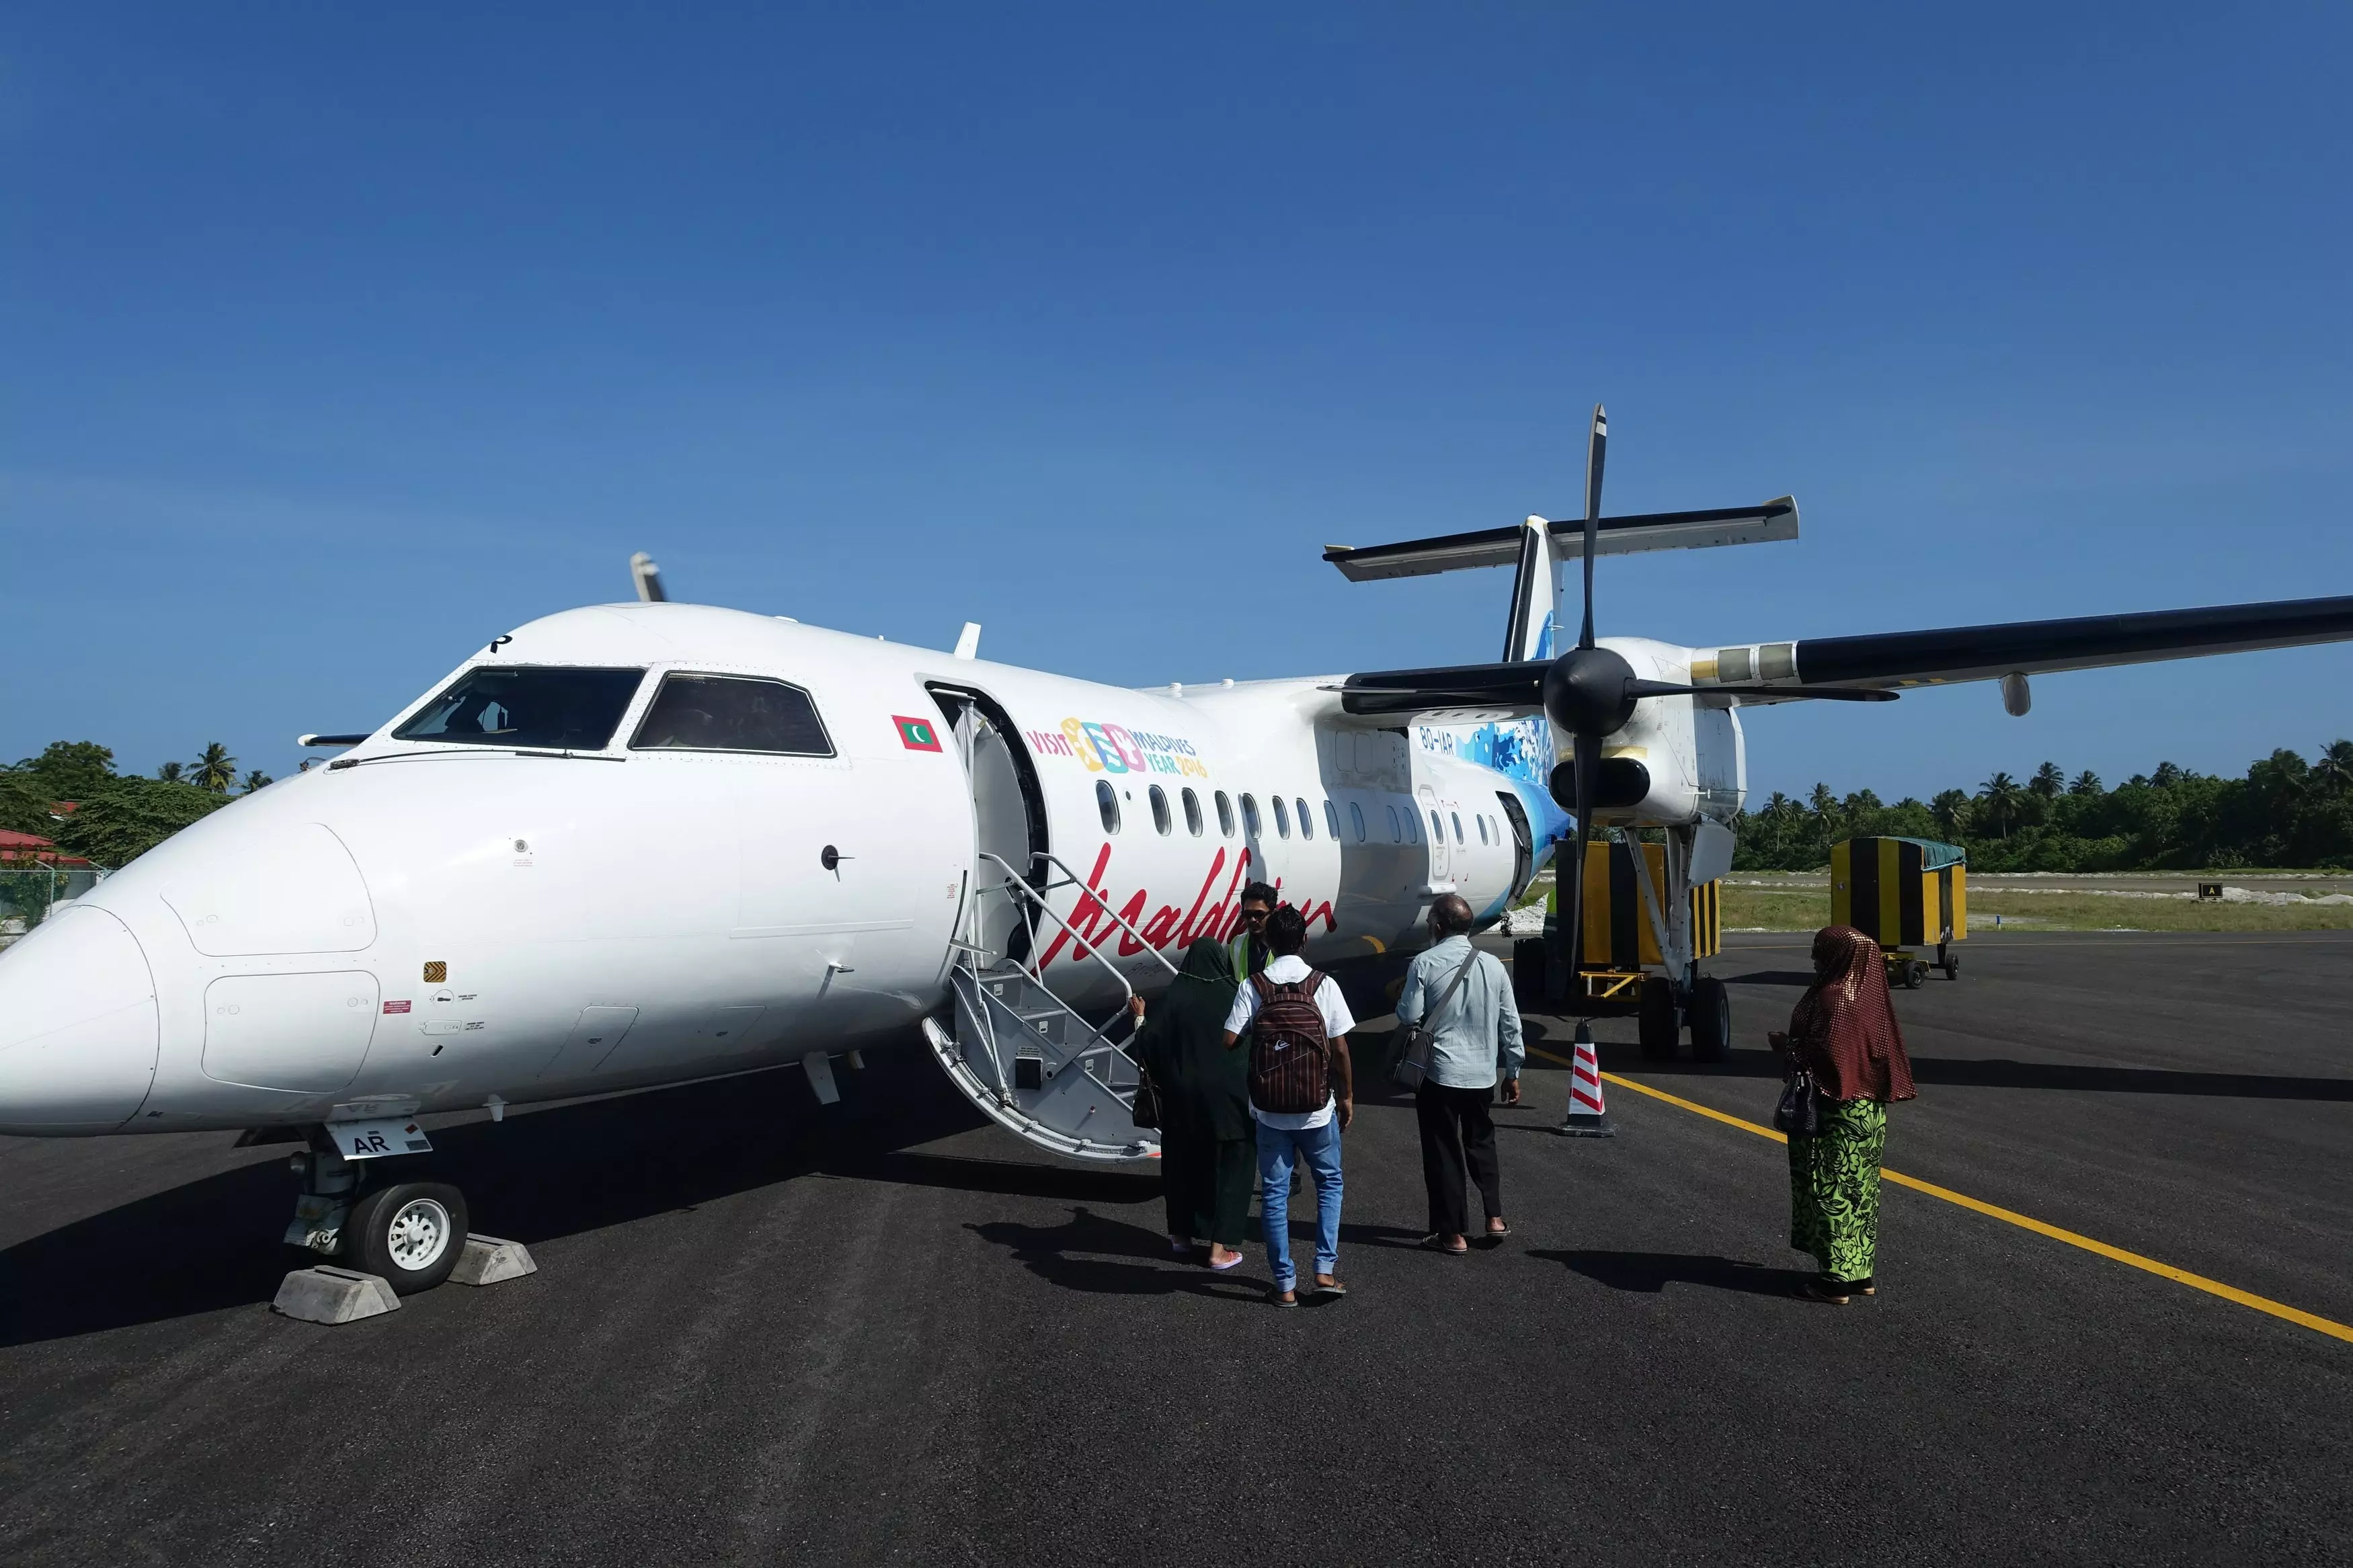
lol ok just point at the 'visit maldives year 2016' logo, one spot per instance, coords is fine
(1110, 748)
(917, 734)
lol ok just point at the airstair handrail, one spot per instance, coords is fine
(1091, 949)
(1056, 861)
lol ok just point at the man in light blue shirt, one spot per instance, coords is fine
(1476, 1042)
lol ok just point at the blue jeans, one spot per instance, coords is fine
(1318, 1148)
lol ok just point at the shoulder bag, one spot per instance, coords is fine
(1797, 1112)
(1421, 1036)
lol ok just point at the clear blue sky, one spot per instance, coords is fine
(339, 338)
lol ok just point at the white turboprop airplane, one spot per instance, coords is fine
(462, 910)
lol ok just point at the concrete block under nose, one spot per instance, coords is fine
(487, 1260)
(329, 1295)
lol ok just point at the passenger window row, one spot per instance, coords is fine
(1403, 829)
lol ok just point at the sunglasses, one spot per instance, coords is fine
(1255, 916)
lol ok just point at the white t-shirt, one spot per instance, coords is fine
(1337, 1021)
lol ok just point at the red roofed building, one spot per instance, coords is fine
(25, 849)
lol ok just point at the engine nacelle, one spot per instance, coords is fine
(1676, 762)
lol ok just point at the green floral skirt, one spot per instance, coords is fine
(1834, 1186)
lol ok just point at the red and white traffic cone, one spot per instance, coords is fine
(1588, 1116)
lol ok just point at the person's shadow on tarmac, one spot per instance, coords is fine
(1652, 1273)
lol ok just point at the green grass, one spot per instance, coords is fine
(1773, 909)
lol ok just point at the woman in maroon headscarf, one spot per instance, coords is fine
(1843, 1032)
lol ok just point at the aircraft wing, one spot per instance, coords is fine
(2031, 647)
(1884, 660)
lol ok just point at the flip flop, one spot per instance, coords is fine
(1505, 1231)
(1181, 1248)
(1291, 1302)
(1432, 1243)
(1337, 1288)
(1233, 1262)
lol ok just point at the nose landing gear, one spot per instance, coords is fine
(408, 1234)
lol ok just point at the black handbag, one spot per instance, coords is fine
(1797, 1112)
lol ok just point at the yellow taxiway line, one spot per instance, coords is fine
(2025, 1222)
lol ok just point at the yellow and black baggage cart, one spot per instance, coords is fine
(1904, 894)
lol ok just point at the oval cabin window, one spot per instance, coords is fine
(1281, 817)
(1160, 819)
(1224, 814)
(1192, 813)
(1107, 802)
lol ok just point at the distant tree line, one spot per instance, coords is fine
(2286, 811)
(115, 817)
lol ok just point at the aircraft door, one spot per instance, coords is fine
(1523, 849)
(1432, 824)
(1008, 821)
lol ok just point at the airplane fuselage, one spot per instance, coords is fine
(429, 926)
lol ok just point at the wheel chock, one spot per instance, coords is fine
(487, 1259)
(326, 1294)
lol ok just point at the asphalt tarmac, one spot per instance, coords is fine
(883, 1331)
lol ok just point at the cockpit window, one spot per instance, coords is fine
(561, 707)
(732, 714)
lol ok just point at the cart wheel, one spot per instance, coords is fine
(1915, 974)
(1655, 1025)
(1952, 966)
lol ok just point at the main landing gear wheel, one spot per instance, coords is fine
(1656, 1024)
(409, 1234)
(1711, 1020)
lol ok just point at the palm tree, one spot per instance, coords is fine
(2002, 796)
(254, 780)
(2047, 782)
(2168, 774)
(171, 773)
(1952, 812)
(216, 770)
(2085, 783)
(2333, 771)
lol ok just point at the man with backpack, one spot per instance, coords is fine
(1464, 998)
(1302, 1095)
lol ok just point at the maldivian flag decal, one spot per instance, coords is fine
(917, 734)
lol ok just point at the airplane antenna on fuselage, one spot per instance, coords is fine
(647, 577)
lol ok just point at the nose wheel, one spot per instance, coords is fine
(409, 1235)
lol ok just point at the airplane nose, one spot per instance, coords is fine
(78, 1027)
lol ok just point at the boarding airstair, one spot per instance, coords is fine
(1020, 1050)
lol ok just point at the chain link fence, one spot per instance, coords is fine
(29, 894)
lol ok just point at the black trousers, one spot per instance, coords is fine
(1208, 1183)
(1457, 1133)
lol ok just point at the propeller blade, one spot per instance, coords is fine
(1597, 447)
(1640, 689)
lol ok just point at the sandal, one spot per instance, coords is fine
(1336, 1288)
(1498, 1228)
(1286, 1297)
(1433, 1242)
(1233, 1262)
